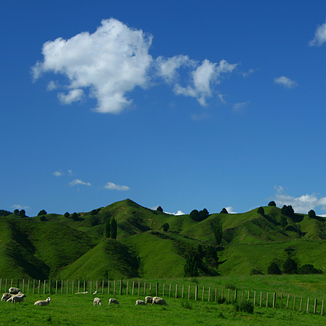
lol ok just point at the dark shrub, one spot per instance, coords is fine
(244, 307)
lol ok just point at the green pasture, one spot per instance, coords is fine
(79, 310)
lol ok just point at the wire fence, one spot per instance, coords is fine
(189, 292)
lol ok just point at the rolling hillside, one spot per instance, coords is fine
(75, 247)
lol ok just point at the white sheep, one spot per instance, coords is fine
(17, 298)
(42, 302)
(112, 300)
(97, 301)
(81, 292)
(140, 303)
(148, 299)
(6, 296)
(160, 301)
(14, 290)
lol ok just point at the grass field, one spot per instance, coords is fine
(72, 309)
(78, 310)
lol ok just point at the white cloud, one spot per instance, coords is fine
(302, 204)
(73, 95)
(113, 186)
(79, 182)
(167, 68)
(285, 81)
(240, 106)
(202, 79)
(178, 213)
(114, 60)
(111, 62)
(230, 210)
(57, 173)
(16, 206)
(320, 36)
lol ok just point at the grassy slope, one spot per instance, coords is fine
(41, 249)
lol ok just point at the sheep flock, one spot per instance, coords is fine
(15, 295)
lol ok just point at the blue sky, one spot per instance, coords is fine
(183, 104)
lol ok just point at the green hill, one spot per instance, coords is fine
(75, 247)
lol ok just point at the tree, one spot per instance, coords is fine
(290, 266)
(75, 216)
(261, 211)
(114, 228)
(287, 211)
(107, 228)
(22, 213)
(274, 269)
(165, 227)
(42, 218)
(272, 203)
(67, 215)
(159, 209)
(312, 213)
(16, 211)
(194, 215)
(42, 212)
(224, 211)
(309, 269)
(218, 232)
(190, 268)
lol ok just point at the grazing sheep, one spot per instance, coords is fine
(160, 301)
(148, 299)
(140, 303)
(6, 296)
(95, 292)
(97, 301)
(17, 298)
(115, 301)
(14, 290)
(42, 302)
(81, 292)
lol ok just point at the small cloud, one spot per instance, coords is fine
(285, 81)
(113, 186)
(57, 173)
(178, 213)
(221, 97)
(74, 95)
(199, 117)
(302, 204)
(320, 36)
(245, 74)
(230, 210)
(69, 172)
(52, 85)
(16, 206)
(239, 106)
(78, 182)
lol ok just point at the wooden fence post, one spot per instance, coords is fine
(189, 291)
(133, 288)
(157, 286)
(287, 301)
(196, 293)
(203, 294)
(127, 289)
(322, 308)
(121, 287)
(261, 299)
(176, 290)
(28, 286)
(294, 302)
(301, 304)
(315, 306)
(307, 305)
(248, 295)
(267, 300)
(209, 294)
(274, 300)
(67, 287)
(56, 286)
(170, 288)
(235, 295)
(254, 298)
(39, 286)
